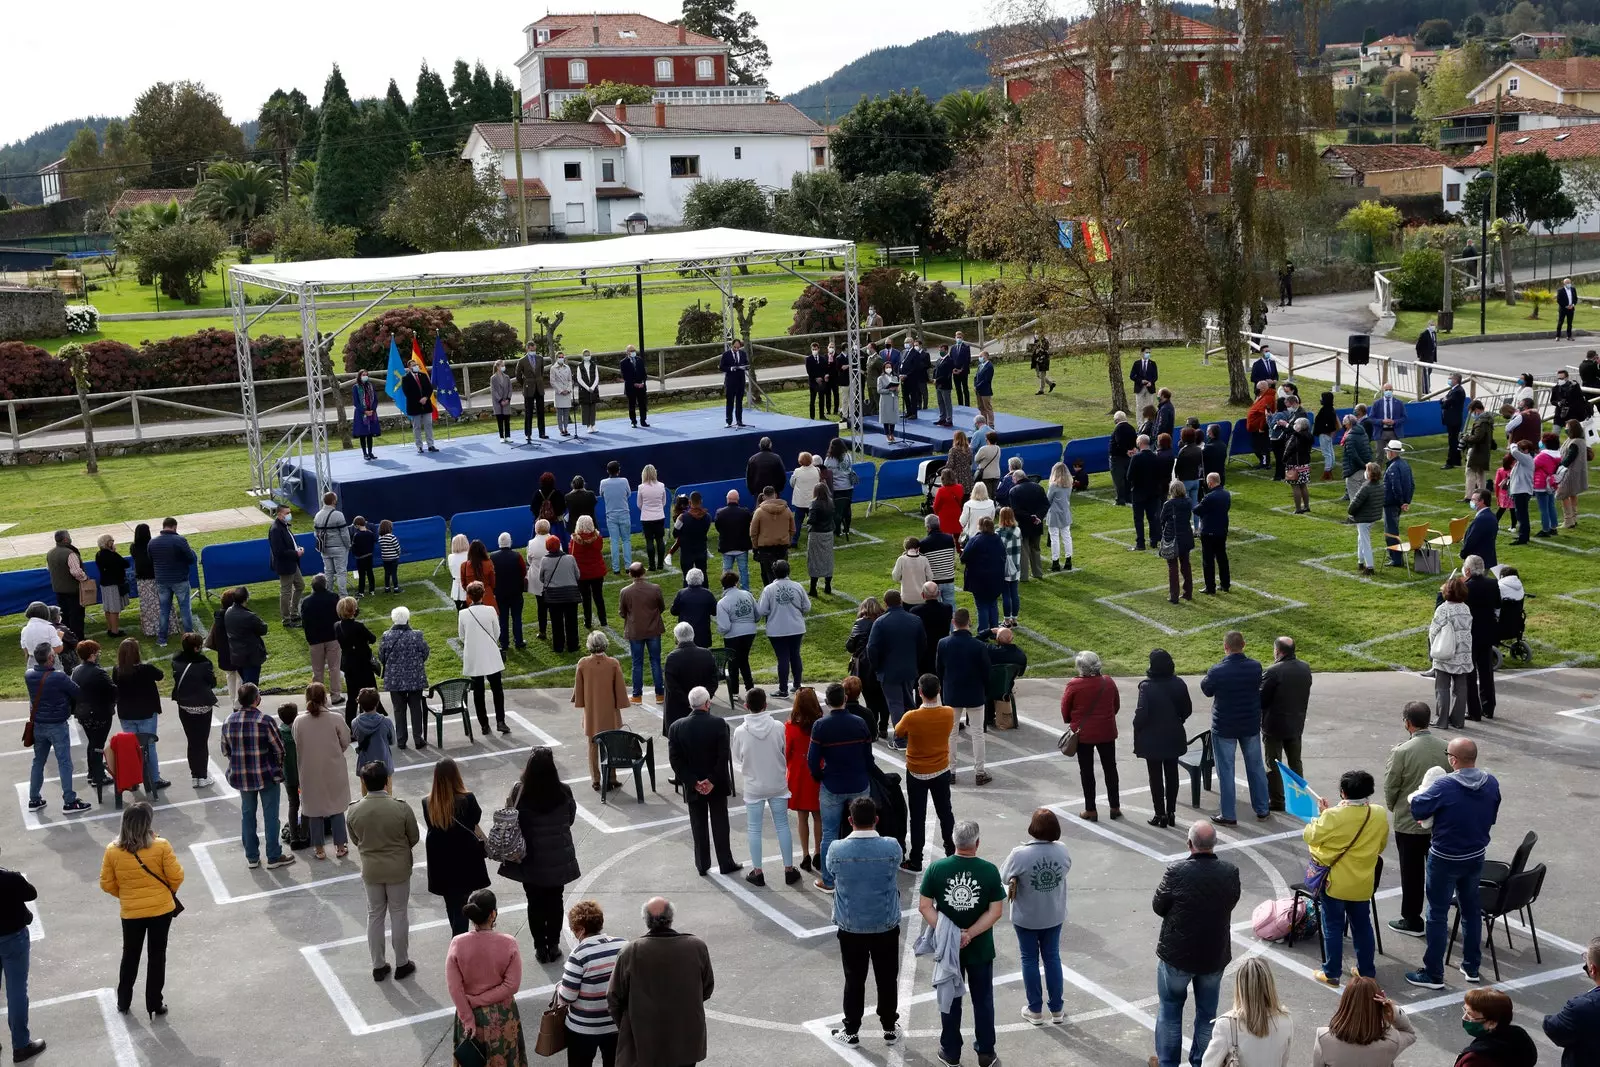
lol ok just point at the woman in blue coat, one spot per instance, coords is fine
(1177, 531)
(984, 558)
(364, 422)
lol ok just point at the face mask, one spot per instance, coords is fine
(588, 359)
(1561, 381)
(362, 378)
(561, 359)
(1475, 1027)
(1388, 394)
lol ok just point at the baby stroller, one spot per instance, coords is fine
(928, 474)
(1513, 618)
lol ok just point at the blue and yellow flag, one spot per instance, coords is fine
(397, 371)
(444, 381)
(1299, 799)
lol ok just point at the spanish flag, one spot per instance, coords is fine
(416, 354)
(1095, 242)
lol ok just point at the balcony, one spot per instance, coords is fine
(700, 94)
(1473, 133)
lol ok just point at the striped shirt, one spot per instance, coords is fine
(389, 547)
(585, 982)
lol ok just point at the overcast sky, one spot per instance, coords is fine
(95, 56)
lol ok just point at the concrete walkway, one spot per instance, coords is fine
(37, 544)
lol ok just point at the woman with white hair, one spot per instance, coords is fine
(478, 630)
(452, 562)
(1089, 707)
(1297, 445)
(803, 486)
(599, 691)
(1257, 1030)
(696, 605)
(977, 508)
(403, 652)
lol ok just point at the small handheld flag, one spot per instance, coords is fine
(396, 371)
(444, 381)
(1299, 799)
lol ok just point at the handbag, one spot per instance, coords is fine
(1167, 549)
(1443, 646)
(505, 842)
(177, 905)
(472, 1053)
(552, 1028)
(1317, 873)
(33, 710)
(1426, 561)
(1068, 742)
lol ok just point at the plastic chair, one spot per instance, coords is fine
(1299, 890)
(1416, 538)
(1001, 680)
(1199, 765)
(1517, 896)
(720, 657)
(452, 697)
(1500, 872)
(625, 749)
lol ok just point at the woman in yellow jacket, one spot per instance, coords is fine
(141, 870)
(1348, 837)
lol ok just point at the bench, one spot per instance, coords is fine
(1199, 765)
(889, 255)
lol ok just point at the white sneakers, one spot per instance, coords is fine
(202, 783)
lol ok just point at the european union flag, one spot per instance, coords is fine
(397, 371)
(1298, 798)
(444, 381)
(1066, 232)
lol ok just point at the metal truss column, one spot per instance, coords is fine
(247, 389)
(852, 341)
(316, 414)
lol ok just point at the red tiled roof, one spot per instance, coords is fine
(1391, 39)
(771, 117)
(1512, 105)
(615, 192)
(1562, 142)
(577, 31)
(548, 134)
(1372, 158)
(533, 186)
(1579, 72)
(132, 198)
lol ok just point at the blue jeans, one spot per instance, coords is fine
(739, 561)
(47, 736)
(267, 799)
(1359, 912)
(152, 762)
(1172, 987)
(1459, 879)
(1010, 599)
(832, 808)
(947, 593)
(980, 989)
(1547, 510)
(1034, 944)
(988, 614)
(636, 650)
(753, 814)
(620, 529)
(897, 697)
(1192, 487)
(1255, 772)
(14, 973)
(1325, 445)
(165, 591)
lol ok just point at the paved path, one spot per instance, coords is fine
(37, 544)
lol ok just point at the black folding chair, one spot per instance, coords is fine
(1516, 896)
(1300, 891)
(1199, 765)
(1500, 872)
(452, 697)
(625, 749)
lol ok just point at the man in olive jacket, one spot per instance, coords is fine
(1285, 693)
(1402, 776)
(658, 992)
(384, 829)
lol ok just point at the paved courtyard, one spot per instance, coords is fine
(273, 963)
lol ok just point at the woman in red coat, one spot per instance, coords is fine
(1090, 705)
(588, 550)
(477, 568)
(803, 798)
(947, 503)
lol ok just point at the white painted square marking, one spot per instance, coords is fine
(1284, 604)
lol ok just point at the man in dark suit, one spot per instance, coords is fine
(417, 388)
(764, 470)
(1479, 539)
(530, 379)
(1212, 511)
(635, 385)
(1144, 376)
(943, 384)
(686, 666)
(1428, 351)
(983, 385)
(735, 366)
(1031, 505)
(1566, 306)
(699, 750)
(962, 663)
(1123, 441)
(935, 615)
(894, 649)
(914, 368)
(960, 368)
(839, 375)
(1265, 368)
(1453, 411)
(1286, 284)
(1147, 487)
(510, 579)
(819, 374)
(1483, 601)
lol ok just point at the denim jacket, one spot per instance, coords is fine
(866, 898)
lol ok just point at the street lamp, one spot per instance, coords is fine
(637, 223)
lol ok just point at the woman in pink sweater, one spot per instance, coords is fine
(484, 971)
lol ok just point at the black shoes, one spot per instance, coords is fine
(380, 973)
(28, 1052)
(404, 971)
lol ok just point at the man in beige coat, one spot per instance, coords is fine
(658, 993)
(771, 532)
(384, 829)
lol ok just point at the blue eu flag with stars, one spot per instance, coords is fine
(444, 381)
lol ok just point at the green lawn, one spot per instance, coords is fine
(1292, 574)
(1500, 319)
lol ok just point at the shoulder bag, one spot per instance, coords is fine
(505, 842)
(552, 1028)
(33, 711)
(1317, 874)
(1067, 743)
(177, 905)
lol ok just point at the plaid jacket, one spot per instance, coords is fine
(1011, 537)
(254, 750)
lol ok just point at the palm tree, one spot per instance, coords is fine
(236, 193)
(281, 124)
(302, 179)
(970, 116)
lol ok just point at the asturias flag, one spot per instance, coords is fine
(1298, 798)
(444, 381)
(397, 371)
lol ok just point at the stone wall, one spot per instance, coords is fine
(26, 313)
(63, 216)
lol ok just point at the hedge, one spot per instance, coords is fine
(204, 358)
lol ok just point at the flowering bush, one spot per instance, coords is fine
(489, 340)
(369, 344)
(82, 318)
(204, 358)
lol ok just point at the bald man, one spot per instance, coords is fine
(1195, 900)
(733, 537)
(1463, 805)
(658, 992)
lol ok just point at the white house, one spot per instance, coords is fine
(1562, 144)
(644, 158)
(50, 182)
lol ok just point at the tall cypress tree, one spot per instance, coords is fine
(433, 121)
(397, 100)
(461, 90)
(340, 193)
(483, 109)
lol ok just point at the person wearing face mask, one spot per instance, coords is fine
(635, 386)
(561, 384)
(819, 372)
(1567, 400)
(1576, 1027)
(1389, 415)
(1495, 1041)
(838, 376)
(417, 388)
(364, 424)
(588, 384)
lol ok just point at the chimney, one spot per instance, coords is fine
(597, 27)
(622, 111)
(683, 34)
(661, 114)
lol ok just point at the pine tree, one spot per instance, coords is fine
(335, 87)
(461, 90)
(340, 193)
(483, 109)
(504, 99)
(433, 122)
(397, 100)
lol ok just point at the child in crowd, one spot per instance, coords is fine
(362, 544)
(389, 550)
(1502, 488)
(1080, 477)
(294, 833)
(373, 733)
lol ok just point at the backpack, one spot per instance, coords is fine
(1272, 919)
(504, 842)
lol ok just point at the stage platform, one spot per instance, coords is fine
(877, 446)
(477, 472)
(1013, 429)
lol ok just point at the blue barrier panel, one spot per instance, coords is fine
(1094, 451)
(1239, 444)
(420, 539)
(635, 526)
(249, 562)
(487, 526)
(898, 478)
(1036, 459)
(18, 589)
(1423, 419)
(714, 495)
(866, 481)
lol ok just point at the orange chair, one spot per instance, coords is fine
(1416, 538)
(1458, 531)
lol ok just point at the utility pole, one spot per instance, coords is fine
(1494, 203)
(522, 209)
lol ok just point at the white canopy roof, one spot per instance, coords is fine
(716, 245)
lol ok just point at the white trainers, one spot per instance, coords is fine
(202, 783)
(1057, 1018)
(1034, 1017)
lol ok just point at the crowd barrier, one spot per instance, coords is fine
(18, 589)
(1037, 459)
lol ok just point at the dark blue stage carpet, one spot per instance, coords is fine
(478, 472)
(1013, 429)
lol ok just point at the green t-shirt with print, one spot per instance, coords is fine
(963, 887)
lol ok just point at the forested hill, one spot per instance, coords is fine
(937, 65)
(38, 151)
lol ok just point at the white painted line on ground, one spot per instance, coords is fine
(545, 738)
(1582, 713)
(1284, 604)
(735, 885)
(223, 895)
(74, 735)
(31, 821)
(122, 1049)
(606, 828)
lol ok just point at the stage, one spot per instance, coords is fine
(909, 435)
(477, 472)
